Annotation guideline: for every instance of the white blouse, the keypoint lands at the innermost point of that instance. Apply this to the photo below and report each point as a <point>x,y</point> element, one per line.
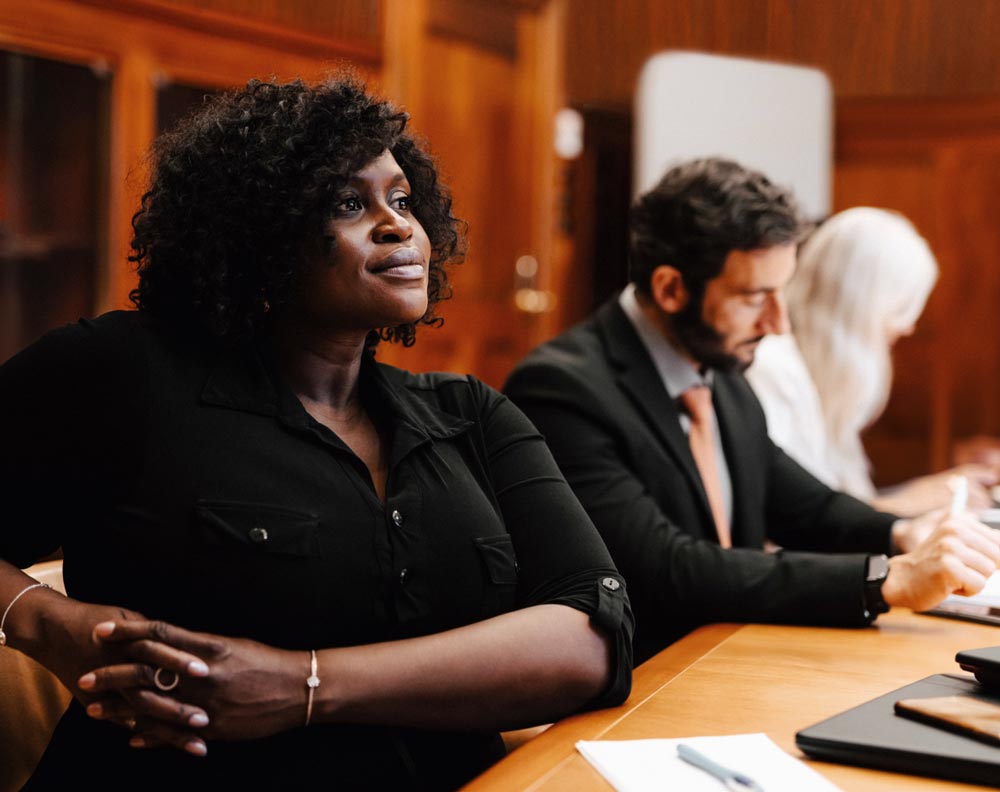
<point>795,418</point>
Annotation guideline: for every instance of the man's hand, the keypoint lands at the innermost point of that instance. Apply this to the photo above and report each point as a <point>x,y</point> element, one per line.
<point>925,493</point>
<point>908,535</point>
<point>957,557</point>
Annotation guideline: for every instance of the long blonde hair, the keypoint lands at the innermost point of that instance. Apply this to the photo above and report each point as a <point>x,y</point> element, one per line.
<point>863,275</point>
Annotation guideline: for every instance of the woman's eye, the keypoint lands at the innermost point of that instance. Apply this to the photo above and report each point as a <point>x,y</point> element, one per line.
<point>351,204</point>
<point>403,202</point>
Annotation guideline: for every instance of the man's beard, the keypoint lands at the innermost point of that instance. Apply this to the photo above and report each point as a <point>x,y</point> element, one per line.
<point>702,341</point>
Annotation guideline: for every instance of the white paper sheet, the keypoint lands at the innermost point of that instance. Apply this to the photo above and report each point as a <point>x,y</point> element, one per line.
<point>653,765</point>
<point>989,597</point>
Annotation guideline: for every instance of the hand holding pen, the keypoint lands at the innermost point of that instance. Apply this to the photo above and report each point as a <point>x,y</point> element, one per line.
<point>957,556</point>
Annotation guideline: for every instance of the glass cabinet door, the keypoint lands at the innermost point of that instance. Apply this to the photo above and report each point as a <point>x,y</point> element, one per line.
<point>53,194</point>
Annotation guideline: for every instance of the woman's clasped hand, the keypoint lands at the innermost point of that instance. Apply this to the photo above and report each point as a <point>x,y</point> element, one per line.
<point>208,672</point>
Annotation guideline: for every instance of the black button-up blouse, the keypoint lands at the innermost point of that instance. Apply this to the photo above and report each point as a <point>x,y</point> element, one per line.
<point>191,485</point>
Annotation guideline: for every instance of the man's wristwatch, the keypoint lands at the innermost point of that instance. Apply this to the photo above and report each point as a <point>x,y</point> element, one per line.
<point>876,571</point>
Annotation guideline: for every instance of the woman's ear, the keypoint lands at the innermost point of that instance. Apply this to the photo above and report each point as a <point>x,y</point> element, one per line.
<point>668,290</point>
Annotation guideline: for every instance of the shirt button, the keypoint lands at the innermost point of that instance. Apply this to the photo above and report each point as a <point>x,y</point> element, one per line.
<point>397,518</point>
<point>611,584</point>
<point>404,576</point>
<point>258,534</point>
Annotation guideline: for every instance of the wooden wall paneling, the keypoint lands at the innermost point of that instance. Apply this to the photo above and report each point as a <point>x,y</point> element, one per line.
<point>405,63</point>
<point>133,105</point>
<point>52,27</point>
<point>900,442</point>
<point>314,28</point>
<point>488,26</point>
<point>597,191</point>
<point>972,172</point>
<point>485,113</point>
<point>938,162</point>
<point>540,80</point>
<point>467,114</point>
<point>913,48</point>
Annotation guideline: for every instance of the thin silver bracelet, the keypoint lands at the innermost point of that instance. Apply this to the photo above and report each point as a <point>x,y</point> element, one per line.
<point>21,593</point>
<point>312,682</point>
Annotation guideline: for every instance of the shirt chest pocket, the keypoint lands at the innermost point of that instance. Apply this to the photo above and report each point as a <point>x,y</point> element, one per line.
<point>258,528</point>
<point>255,564</point>
<point>501,568</point>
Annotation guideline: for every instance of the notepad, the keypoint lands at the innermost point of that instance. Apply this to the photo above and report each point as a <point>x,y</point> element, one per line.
<point>653,765</point>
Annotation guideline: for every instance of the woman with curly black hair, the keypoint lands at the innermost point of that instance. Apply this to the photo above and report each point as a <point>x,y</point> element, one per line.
<point>286,561</point>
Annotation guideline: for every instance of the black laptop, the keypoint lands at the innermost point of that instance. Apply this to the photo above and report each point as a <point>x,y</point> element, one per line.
<point>872,735</point>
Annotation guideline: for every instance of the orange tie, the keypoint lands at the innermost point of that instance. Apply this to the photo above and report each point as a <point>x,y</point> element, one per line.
<point>698,403</point>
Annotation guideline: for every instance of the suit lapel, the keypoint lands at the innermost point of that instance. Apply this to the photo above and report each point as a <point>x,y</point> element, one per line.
<point>639,378</point>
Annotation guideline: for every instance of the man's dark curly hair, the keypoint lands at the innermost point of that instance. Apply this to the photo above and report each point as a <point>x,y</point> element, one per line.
<point>242,186</point>
<point>699,213</point>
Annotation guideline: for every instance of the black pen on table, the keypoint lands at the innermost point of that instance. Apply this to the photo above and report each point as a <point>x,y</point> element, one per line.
<point>732,779</point>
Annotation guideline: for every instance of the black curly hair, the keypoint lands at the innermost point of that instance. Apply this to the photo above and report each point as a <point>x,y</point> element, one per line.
<point>243,184</point>
<point>700,212</point>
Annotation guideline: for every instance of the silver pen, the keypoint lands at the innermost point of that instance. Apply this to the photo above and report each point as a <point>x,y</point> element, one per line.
<point>731,779</point>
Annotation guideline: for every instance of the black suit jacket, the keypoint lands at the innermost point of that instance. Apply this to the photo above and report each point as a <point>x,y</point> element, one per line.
<point>615,432</point>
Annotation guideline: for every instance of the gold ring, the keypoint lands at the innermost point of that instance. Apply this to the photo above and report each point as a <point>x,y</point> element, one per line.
<point>130,724</point>
<point>165,686</point>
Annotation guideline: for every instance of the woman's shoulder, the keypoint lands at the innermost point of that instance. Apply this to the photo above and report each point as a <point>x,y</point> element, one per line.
<point>85,342</point>
<point>459,394</point>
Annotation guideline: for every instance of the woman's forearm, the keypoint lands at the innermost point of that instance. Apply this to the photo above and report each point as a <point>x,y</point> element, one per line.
<point>517,669</point>
<point>23,625</point>
<point>528,666</point>
<point>54,630</point>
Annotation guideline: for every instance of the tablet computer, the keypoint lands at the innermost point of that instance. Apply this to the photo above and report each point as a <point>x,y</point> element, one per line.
<point>984,663</point>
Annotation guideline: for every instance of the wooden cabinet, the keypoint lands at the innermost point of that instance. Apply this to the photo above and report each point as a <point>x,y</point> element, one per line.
<point>78,122</point>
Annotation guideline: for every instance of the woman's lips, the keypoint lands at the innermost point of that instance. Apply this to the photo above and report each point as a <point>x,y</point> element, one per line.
<point>403,263</point>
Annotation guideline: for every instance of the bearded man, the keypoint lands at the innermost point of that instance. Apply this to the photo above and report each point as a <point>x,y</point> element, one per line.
<point>646,410</point>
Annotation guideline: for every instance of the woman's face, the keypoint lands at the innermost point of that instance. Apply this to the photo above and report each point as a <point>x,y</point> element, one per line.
<point>372,272</point>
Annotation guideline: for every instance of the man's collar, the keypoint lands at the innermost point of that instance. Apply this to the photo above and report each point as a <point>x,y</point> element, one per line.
<point>677,372</point>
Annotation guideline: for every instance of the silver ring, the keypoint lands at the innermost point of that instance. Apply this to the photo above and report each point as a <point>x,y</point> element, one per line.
<point>130,724</point>
<point>165,686</point>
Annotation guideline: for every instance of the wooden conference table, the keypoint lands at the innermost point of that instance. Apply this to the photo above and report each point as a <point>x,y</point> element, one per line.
<point>734,679</point>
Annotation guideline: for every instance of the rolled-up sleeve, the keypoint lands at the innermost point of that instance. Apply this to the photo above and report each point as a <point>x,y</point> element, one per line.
<point>562,558</point>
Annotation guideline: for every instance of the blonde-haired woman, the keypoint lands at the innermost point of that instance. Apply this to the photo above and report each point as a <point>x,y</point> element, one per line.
<point>862,282</point>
